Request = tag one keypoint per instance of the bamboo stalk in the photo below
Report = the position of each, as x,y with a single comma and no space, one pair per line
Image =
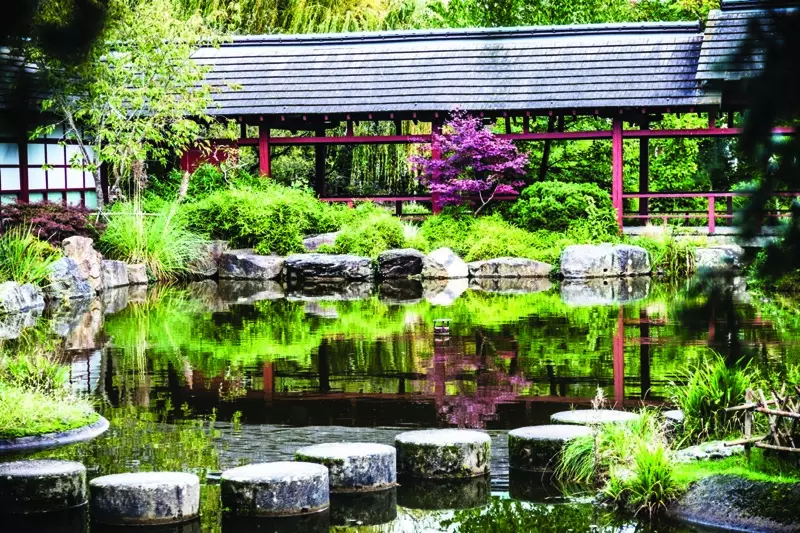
743,441
773,412
778,448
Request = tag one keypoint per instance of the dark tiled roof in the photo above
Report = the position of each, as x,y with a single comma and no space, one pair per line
728,31
540,68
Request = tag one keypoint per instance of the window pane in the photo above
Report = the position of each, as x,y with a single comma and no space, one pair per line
55,197
36,154
35,197
55,155
91,200
89,180
36,178
58,132
9,154
57,178
73,151
74,178
8,198
9,179
73,198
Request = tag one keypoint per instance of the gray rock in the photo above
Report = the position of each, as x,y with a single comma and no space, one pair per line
242,264
145,498
608,291
282,488
604,261
82,333
207,265
16,298
354,466
403,263
510,285
444,292
313,242
591,417
536,448
89,260
66,282
41,485
707,451
114,300
732,503
12,325
401,291
69,315
443,263
719,259
443,453
115,274
137,274
674,416
509,267
328,267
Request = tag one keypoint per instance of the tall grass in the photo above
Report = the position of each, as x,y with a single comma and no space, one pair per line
711,387
24,258
674,258
161,239
650,486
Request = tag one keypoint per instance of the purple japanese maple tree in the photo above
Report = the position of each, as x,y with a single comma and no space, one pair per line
472,162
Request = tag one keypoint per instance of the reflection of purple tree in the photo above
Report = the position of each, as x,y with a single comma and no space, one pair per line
471,161
470,409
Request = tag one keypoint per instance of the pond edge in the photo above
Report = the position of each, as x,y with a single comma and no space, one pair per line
52,440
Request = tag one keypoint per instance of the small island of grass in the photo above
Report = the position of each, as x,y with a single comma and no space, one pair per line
26,413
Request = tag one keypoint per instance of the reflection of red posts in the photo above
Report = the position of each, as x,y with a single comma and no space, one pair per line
619,360
269,378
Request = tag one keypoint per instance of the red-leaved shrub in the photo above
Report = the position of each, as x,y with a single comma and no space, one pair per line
50,221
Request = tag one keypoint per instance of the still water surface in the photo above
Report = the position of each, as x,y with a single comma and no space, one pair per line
213,375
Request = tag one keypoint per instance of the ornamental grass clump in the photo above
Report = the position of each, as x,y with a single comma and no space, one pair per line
710,388
649,486
24,258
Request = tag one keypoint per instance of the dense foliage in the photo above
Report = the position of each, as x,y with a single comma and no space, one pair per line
371,231
50,221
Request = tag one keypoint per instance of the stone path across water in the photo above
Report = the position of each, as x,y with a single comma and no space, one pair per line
262,443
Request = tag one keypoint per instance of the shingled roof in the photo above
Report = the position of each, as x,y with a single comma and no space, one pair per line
727,32
584,67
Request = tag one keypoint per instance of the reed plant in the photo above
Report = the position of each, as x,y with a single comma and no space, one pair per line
24,258
650,486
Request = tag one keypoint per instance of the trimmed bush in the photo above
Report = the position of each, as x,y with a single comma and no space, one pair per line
371,231
49,221
561,206
24,258
270,218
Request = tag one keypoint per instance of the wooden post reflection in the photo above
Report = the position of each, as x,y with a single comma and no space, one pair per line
619,360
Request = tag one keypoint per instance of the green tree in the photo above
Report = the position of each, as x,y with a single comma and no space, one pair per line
138,97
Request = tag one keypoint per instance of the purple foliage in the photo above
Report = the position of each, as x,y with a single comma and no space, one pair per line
472,162
49,221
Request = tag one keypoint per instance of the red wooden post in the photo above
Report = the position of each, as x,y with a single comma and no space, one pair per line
644,171
616,168
712,222
264,166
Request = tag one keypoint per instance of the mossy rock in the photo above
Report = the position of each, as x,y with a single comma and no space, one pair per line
535,448
41,486
354,466
443,453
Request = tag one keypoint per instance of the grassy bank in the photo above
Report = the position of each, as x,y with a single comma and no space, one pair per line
26,412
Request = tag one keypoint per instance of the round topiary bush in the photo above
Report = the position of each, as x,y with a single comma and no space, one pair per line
560,206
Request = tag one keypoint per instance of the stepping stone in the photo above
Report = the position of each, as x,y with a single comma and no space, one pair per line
593,417
282,488
41,485
145,498
354,466
535,448
443,453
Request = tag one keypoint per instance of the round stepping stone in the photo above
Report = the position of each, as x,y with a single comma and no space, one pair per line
535,448
41,485
145,498
593,417
443,453
356,466
282,488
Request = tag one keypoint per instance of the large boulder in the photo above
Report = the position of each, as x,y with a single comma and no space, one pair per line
66,282
115,274
719,259
403,263
243,264
12,325
16,298
207,264
443,263
327,267
137,274
313,242
509,267
89,260
604,261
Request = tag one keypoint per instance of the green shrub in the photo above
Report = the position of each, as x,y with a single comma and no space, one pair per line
650,486
33,371
561,206
668,255
270,218
24,258
161,240
371,231
711,387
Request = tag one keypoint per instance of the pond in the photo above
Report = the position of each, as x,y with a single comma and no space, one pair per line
210,375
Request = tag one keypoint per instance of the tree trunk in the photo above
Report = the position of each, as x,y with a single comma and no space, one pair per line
98,189
545,162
